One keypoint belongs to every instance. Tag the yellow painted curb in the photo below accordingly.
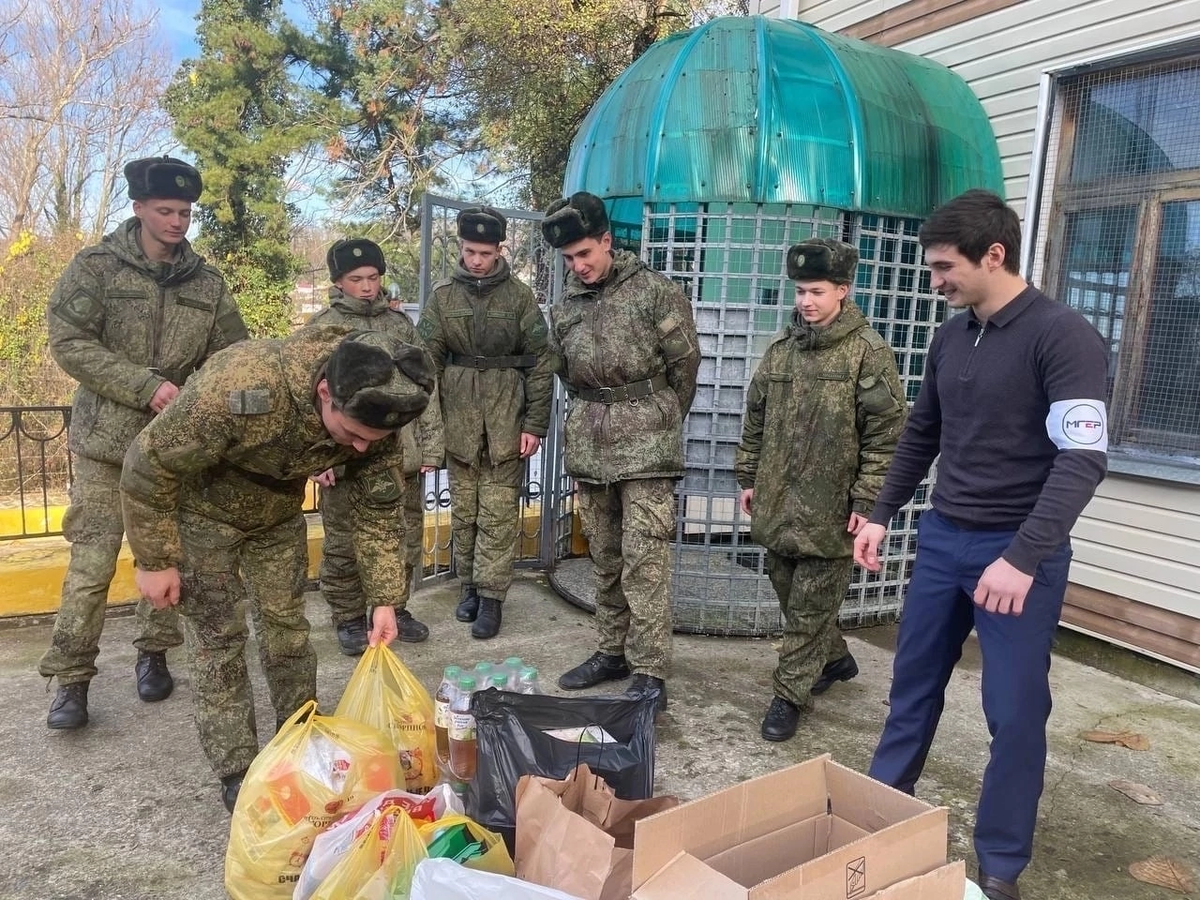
(32, 570)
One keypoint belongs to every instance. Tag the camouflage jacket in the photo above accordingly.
(121, 324)
(422, 439)
(491, 316)
(237, 446)
(636, 326)
(824, 411)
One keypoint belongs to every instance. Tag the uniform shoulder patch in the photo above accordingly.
(872, 338)
(250, 403)
(425, 327)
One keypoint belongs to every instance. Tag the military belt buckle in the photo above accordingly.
(608, 395)
(478, 362)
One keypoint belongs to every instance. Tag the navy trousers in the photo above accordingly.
(938, 615)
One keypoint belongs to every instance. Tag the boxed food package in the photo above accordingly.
(817, 830)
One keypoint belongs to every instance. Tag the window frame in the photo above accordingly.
(1148, 194)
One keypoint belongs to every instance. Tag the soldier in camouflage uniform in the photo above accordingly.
(129, 319)
(212, 493)
(487, 337)
(823, 414)
(626, 339)
(355, 267)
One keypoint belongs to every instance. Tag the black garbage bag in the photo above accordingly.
(511, 733)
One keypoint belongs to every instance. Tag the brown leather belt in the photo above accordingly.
(635, 390)
(528, 361)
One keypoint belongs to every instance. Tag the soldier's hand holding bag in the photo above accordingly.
(383, 693)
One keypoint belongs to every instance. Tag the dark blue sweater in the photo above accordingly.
(1016, 409)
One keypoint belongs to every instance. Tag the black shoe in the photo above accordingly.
(411, 631)
(231, 786)
(154, 682)
(995, 889)
(645, 684)
(352, 636)
(781, 720)
(69, 707)
(487, 623)
(468, 606)
(839, 670)
(596, 669)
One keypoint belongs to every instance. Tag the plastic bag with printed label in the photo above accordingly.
(382, 692)
(441, 879)
(379, 864)
(312, 771)
(493, 855)
(332, 844)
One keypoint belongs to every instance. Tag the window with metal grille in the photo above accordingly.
(1124, 241)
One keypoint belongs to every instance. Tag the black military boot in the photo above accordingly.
(596, 669)
(995, 889)
(645, 684)
(779, 724)
(468, 606)
(231, 786)
(411, 631)
(839, 670)
(69, 707)
(487, 623)
(352, 636)
(154, 682)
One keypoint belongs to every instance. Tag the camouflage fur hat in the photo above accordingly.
(346, 256)
(482, 224)
(822, 259)
(163, 178)
(580, 216)
(379, 381)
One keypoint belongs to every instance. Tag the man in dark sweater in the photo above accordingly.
(1013, 400)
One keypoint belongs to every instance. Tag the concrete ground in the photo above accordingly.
(127, 808)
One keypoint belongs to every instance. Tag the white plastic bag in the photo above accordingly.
(332, 844)
(444, 879)
(973, 892)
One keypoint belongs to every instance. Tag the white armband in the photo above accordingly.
(1078, 425)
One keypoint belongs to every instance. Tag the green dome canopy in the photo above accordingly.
(763, 110)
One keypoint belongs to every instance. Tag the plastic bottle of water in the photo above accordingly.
(512, 667)
(527, 681)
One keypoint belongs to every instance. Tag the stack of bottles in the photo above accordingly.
(454, 725)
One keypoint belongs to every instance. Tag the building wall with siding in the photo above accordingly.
(1137, 545)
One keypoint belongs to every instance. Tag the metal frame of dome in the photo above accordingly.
(763, 110)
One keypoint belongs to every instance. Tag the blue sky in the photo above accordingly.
(177, 21)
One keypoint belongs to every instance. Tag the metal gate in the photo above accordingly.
(546, 499)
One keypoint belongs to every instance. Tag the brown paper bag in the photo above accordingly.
(575, 835)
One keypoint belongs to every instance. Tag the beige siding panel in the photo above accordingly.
(1144, 590)
(1137, 540)
(1018, 123)
(1147, 518)
(1181, 498)
(833, 15)
(1136, 565)
(765, 8)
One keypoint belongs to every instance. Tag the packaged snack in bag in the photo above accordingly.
(379, 864)
(333, 843)
(312, 771)
(383, 693)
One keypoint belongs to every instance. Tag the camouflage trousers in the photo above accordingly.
(485, 522)
(629, 526)
(340, 583)
(810, 591)
(93, 526)
(224, 570)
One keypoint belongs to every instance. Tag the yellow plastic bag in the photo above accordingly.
(384, 694)
(310, 773)
(495, 858)
(380, 864)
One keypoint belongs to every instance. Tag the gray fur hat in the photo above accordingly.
(483, 224)
(822, 259)
(163, 178)
(379, 381)
(571, 219)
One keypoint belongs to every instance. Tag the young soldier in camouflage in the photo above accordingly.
(629, 356)
(213, 488)
(356, 300)
(129, 319)
(823, 414)
(488, 340)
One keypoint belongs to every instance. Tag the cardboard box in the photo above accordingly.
(816, 831)
(947, 883)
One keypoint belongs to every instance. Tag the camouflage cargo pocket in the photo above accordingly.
(673, 341)
(875, 395)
